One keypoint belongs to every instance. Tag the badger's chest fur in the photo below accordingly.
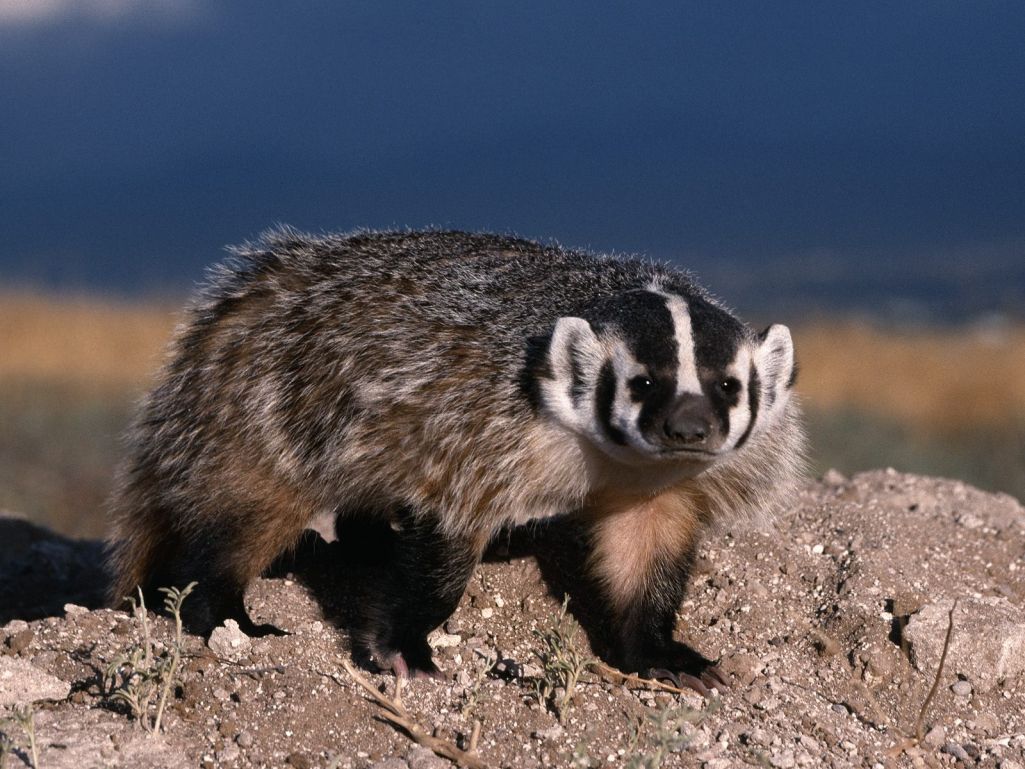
(453, 384)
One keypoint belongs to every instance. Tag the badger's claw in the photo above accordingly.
(403, 665)
(703, 681)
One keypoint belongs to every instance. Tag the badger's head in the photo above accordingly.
(655, 376)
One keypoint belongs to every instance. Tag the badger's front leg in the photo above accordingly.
(642, 555)
(424, 577)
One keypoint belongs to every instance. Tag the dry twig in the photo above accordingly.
(920, 723)
(615, 676)
(916, 739)
(395, 713)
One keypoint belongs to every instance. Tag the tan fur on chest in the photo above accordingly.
(634, 534)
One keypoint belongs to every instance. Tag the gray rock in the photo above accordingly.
(987, 645)
(229, 641)
(424, 758)
(955, 750)
(551, 733)
(21, 683)
(390, 763)
(834, 477)
(935, 737)
(962, 689)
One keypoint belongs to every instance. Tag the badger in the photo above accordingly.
(453, 385)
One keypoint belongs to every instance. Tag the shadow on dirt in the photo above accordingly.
(347, 573)
(41, 571)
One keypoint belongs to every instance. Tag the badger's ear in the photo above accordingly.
(573, 351)
(776, 368)
(574, 358)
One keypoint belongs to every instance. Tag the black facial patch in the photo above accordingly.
(646, 324)
(644, 321)
(754, 387)
(604, 396)
(717, 336)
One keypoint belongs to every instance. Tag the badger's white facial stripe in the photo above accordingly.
(624, 411)
(745, 411)
(687, 380)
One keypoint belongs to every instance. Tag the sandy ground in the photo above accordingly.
(830, 625)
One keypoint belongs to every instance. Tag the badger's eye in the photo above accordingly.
(639, 387)
(728, 386)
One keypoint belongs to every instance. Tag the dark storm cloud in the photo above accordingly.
(133, 145)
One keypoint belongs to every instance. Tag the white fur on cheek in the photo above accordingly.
(740, 415)
(625, 412)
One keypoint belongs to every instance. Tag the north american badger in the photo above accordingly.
(453, 384)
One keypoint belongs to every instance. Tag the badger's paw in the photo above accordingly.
(411, 661)
(685, 668)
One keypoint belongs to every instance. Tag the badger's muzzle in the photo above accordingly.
(691, 425)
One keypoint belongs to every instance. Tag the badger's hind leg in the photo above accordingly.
(642, 556)
(421, 580)
(222, 563)
(221, 546)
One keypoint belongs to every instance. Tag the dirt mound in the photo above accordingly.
(831, 625)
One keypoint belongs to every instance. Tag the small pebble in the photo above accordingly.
(962, 689)
(244, 740)
(390, 763)
(955, 750)
(551, 733)
(424, 758)
(935, 737)
(834, 477)
(229, 754)
(20, 641)
(440, 640)
(487, 613)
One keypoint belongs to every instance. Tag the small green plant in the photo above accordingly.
(660, 733)
(25, 717)
(142, 678)
(6, 747)
(562, 664)
(474, 693)
(581, 757)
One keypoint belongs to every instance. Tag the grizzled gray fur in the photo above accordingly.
(449, 385)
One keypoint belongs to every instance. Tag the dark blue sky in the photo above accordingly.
(798, 144)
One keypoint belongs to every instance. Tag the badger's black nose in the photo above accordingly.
(689, 424)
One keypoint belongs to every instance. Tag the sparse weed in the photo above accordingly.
(581, 757)
(474, 693)
(25, 717)
(562, 664)
(142, 678)
(660, 733)
(6, 746)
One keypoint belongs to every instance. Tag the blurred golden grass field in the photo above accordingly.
(71, 369)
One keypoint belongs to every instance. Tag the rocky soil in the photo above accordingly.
(830, 623)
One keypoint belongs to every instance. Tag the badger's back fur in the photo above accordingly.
(451, 384)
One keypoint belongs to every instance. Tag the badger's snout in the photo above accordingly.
(691, 424)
